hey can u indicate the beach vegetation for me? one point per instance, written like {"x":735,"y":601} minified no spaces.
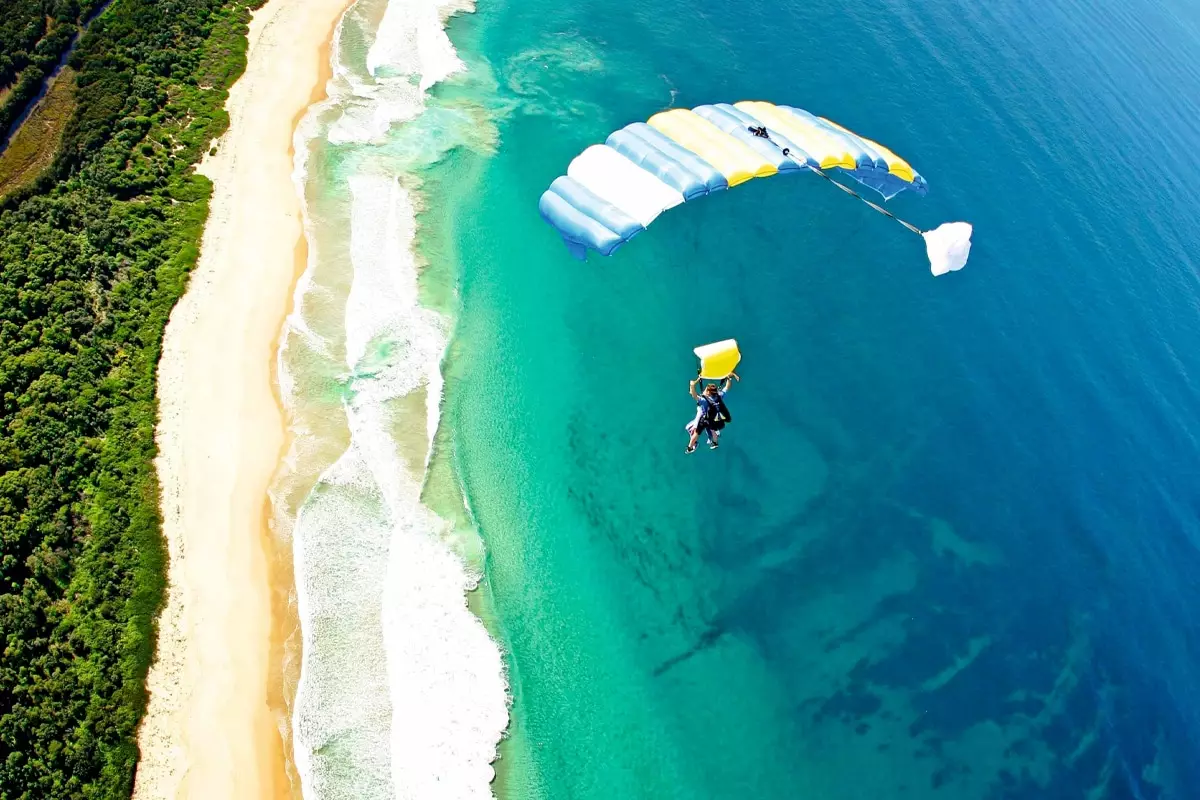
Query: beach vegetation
{"x":95,"y":249}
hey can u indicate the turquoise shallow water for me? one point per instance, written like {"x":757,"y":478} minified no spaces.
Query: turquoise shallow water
{"x":948,"y":547}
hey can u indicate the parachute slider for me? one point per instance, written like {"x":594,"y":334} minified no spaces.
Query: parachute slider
{"x":718,"y":360}
{"x":948,"y":246}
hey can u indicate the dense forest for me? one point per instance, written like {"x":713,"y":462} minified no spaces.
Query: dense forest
{"x":93,"y":255}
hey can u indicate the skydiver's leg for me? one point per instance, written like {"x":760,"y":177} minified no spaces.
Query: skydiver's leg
{"x":693,"y":428}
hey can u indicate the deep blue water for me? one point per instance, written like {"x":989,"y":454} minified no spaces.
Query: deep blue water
{"x":949,"y":547}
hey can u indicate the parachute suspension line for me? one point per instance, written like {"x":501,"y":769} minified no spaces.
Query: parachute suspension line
{"x":853,"y":193}
{"x":762,"y":134}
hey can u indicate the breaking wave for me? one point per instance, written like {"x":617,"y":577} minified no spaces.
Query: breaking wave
{"x":401,"y":692}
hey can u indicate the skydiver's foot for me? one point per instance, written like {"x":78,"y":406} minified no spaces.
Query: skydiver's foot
{"x":713,"y":445}
{"x":691,"y":448}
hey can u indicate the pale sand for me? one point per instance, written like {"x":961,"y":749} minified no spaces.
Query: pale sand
{"x":213,"y":726}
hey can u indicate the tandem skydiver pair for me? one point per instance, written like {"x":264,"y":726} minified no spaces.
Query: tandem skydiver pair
{"x":712,"y":415}
{"x":717,"y":362}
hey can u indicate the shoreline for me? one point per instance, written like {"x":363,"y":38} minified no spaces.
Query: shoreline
{"x":215,"y":722}
{"x":286,"y":639}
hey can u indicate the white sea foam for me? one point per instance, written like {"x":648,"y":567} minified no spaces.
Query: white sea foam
{"x":410,"y":53}
{"x":412,"y":42}
{"x":341,"y":728}
{"x":402,"y":693}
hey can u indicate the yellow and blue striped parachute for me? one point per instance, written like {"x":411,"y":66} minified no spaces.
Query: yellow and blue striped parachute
{"x":613,"y":191}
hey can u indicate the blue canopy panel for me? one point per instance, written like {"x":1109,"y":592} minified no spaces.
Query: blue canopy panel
{"x":873,"y":169}
{"x":865,"y":157}
{"x":585,"y":220}
{"x":886,"y":183}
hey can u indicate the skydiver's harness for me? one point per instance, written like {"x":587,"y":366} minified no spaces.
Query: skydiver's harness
{"x":716,"y":413}
{"x":761,"y":132}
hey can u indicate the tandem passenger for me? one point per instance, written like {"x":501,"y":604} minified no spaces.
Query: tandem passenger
{"x":711,"y":412}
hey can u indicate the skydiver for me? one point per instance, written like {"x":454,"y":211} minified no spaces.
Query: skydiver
{"x":711,"y":412}
{"x":760,"y":131}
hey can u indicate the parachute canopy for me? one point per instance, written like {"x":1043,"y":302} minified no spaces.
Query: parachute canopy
{"x":613,"y":191}
{"x":718,"y":359}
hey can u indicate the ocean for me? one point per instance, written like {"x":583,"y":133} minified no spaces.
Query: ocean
{"x":948,"y":547}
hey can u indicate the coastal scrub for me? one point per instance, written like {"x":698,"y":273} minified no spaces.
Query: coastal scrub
{"x":93,"y":255}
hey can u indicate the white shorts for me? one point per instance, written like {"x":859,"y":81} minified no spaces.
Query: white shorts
{"x":691,"y":427}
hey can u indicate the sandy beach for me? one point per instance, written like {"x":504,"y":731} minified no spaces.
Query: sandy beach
{"x":212,"y":729}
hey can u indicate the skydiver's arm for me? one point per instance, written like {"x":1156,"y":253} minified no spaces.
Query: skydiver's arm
{"x":692,"y":389}
{"x":729,"y":381}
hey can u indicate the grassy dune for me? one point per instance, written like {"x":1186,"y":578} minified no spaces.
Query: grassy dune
{"x":33,"y":148}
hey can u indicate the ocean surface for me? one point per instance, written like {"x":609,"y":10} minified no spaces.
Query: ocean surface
{"x":949,"y":547}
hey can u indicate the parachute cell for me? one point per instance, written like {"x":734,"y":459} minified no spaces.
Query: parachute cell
{"x":737,"y":162}
{"x":617,"y":180}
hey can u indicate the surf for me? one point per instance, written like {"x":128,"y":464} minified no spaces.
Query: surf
{"x":400,"y":690}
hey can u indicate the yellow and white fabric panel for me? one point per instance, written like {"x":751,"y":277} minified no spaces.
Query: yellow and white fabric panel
{"x":828,"y":150}
{"x":737,"y":162}
{"x":895,"y":164}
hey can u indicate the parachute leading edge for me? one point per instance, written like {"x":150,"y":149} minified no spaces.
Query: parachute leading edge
{"x":613,"y":191}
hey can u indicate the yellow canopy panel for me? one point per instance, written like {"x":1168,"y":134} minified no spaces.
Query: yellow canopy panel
{"x":737,"y":162}
{"x":718,"y":359}
{"x":896,"y":165}
{"x":828,"y":150}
